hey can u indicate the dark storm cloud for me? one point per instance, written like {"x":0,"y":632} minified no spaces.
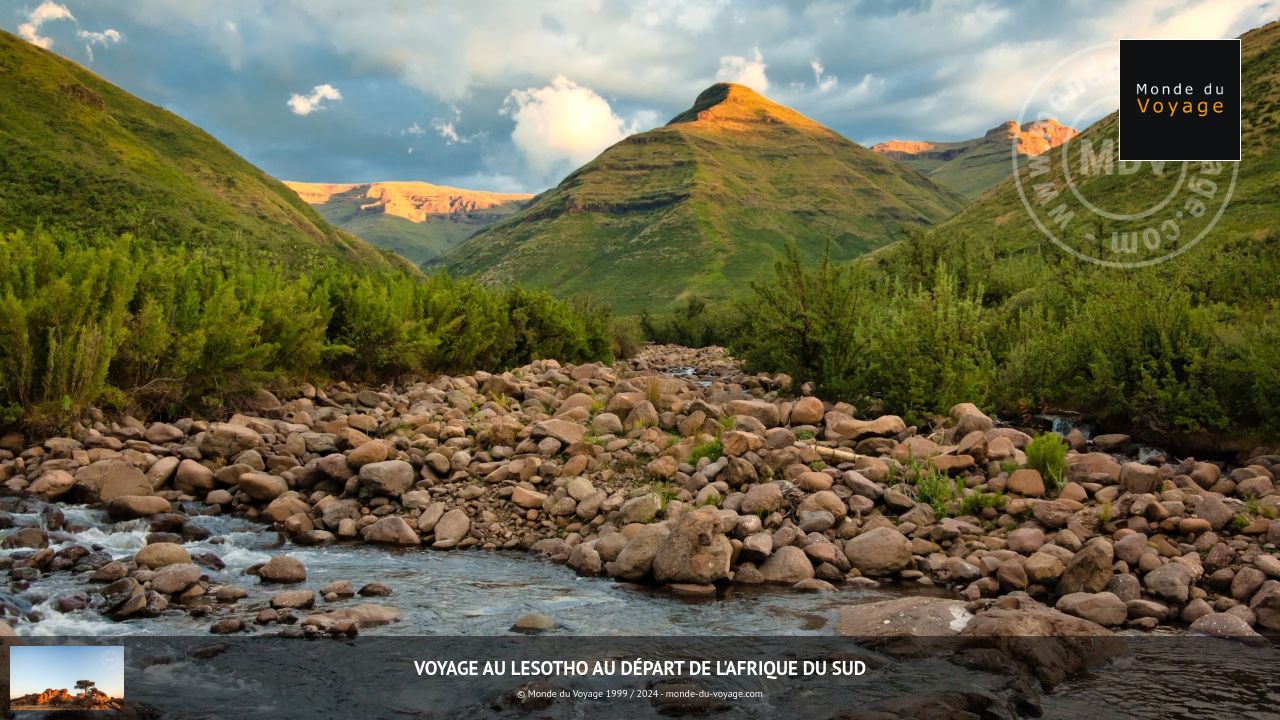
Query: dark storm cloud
{"x":427,"y":88}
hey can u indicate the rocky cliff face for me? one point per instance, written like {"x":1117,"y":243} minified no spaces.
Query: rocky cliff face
{"x":972,"y":166}
{"x":413,"y":201}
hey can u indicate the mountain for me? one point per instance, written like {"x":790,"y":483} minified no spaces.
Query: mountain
{"x":83,"y":154}
{"x":415,"y":219}
{"x":970,"y":167}
{"x":701,"y":206}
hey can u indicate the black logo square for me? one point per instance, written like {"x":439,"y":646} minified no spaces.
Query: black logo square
{"x":1179,"y":100}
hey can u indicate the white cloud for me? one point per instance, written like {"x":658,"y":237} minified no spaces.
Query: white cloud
{"x":448,"y":128}
{"x":307,"y":104}
{"x":691,"y":17}
{"x":104,"y":38}
{"x":414,"y":129}
{"x":737,"y":69}
{"x":825,"y":82}
{"x":47,"y":11}
{"x":564,"y":124}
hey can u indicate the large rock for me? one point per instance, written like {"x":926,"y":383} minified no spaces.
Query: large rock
{"x":641,"y":509}
{"x":762,"y":498}
{"x":636,"y":559}
{"x":765,"y":412}
{"x":173,"y":579}
{"x":788,"y":564}
{"x":1226,"y":625}
{"x":107,"y":479}
{"x":1103,"y":608}
{"x":224,"y":440}
{"x":1212,"y":508}
{"x":563,"y":430}
{"x":1026,"y":482}
{"x":1171,"y":581}
{"x":452,"y":527}
{"x":52,"y":484}
{"x":193,"y":478}
{"x":1089,"y":571}
{"x":807,"y":411}
{"x":1138,"y":478}
{"x":130,"y":507}
{"x":1265,"y":605}
{"x":695,"y":551}
{"x":391,"y":530}
{"x":262,"y":487}
{"x":883,"y":426}
{"x":526,"y":498}
{"x":880,"y":551}
{"x":361,"y":616}
{"x":1047,"y":645}
{"x":389,"y":477}
{"x":904,"y":617}
{"x":158,"y":555}
{"x":283,"y":569}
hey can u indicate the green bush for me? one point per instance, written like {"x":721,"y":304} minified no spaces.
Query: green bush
{"x":1047,"y":453}
{"x":711,"y":449}
{"x":154,"y":328}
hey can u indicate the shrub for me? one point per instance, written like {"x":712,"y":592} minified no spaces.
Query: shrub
{"x":1047,"y":453}
{"x":711,"y":449}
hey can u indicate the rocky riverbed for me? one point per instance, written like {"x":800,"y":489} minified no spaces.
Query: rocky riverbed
{"x":675,"y":470}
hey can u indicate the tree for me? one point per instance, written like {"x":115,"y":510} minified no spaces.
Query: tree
{"x":84,"y":685}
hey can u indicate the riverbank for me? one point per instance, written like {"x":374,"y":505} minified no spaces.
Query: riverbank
{"x":675,"y":470}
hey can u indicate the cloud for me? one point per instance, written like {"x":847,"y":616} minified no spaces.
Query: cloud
{"x":307,"y":104}
{"x":106,"y":37}
{"x":825,"y":82}
{"x":414,"y":129}
{"x":563,"y":125}
{"x":737,"y":69}
{"x":448,"y":128}
{"x":47,"y":11}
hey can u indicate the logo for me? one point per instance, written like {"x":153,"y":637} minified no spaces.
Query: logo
{"x":1097,"y":207}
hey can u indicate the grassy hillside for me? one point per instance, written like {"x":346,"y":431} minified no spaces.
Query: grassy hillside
{"x":985,"y":309}
{"x":971,"y":167}
{"x":416,"y":220}
{"x":703,"y":205}
{"x":82,"y":154}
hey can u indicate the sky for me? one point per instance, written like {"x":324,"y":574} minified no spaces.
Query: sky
{"x":511,"y":95}
{"x":36,"y":668}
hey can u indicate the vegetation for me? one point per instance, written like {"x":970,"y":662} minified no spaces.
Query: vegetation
{"x":122,"y":321}
{"x":87,"y":156}
{"x":711,"y":449}
{"x":700,"y":206}
{"x":1047,"y":453}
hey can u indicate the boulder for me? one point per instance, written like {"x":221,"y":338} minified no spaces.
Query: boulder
{"x":452,"y":527}
{"x":1226,"y":625}
{"x":391,"y":530}
{"x":807,"y":411}
{"x":107,"y":479}
{"x":880,"y":551}
{"x":159,"y":555}
{"x":883,"y":426}
{"x":1171,"y":581}
{"x":389,"y":477}
{"x":762,"y":498}
{"x":52,"y":484}
{"x":130,"y":507}
{"x":261,"y":486}
{"x":636,"y":559}
{"x":695,"y":550}
{"x":1026,"y":482}
{"x":1138,"y":478}
{"x":1089,"y":571}
{"x":173,"y":579}
{"x":361,"y":616}
{"x":788,"y":564}
{"x":765,"y":412}
{"x":533,"y":623}
{"x":563,"y":430}
{"x":1103,"y":608}
{"x":526,"y":498}
{"x":193,"y":479}
{"x":641,"y":509}
{"x":904,"y":617}
{"x":294,"y":599}
{"x":224,"y":440}
{"x":1047,"y":645}
{"x":283,"y":569}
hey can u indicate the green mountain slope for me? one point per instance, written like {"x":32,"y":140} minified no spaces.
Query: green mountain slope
{"x":417,"y":220}
{"x":82,"y":154}
{"x":1184,"y":349}
{"x":702,"y":206}
{"x":970,"y":167}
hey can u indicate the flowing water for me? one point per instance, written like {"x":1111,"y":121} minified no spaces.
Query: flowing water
{"x":478,"y":594}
